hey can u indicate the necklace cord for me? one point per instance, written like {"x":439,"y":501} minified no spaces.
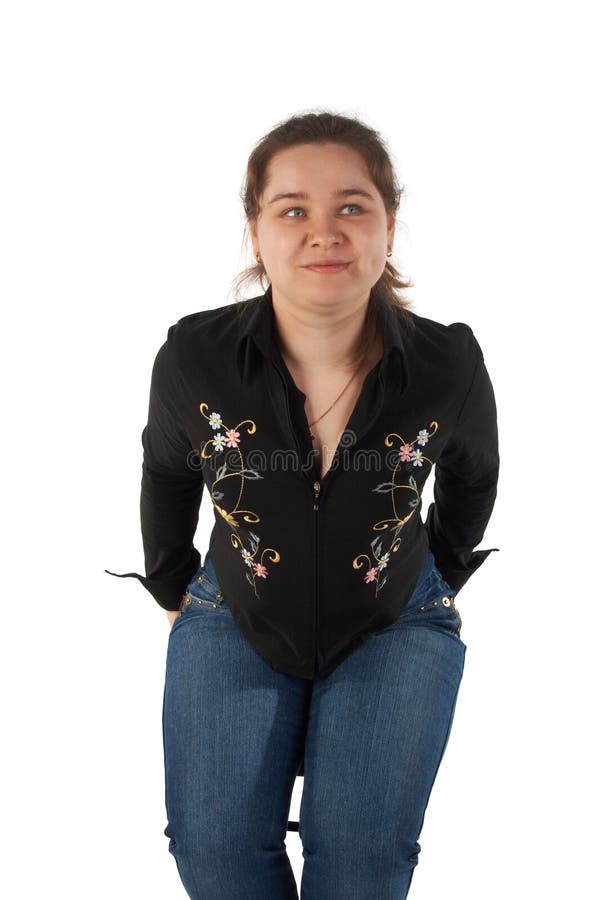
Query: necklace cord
{"x":310,"y":424}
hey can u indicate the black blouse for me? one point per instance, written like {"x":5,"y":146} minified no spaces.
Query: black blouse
{"x":311,"y":568}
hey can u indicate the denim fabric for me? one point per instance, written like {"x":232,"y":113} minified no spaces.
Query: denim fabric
{"x":371,"y":735}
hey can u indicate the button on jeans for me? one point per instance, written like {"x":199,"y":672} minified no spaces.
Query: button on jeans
{"x":371,"y":735}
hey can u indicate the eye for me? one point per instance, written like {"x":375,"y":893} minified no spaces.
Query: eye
{"x":294,"y":208}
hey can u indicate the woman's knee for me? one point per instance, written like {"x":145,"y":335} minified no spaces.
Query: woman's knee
{"x":236,"y":869}
{"x":357,"y":864}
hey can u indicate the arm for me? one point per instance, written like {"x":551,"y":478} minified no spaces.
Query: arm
{"x":171,"y":489}
{"x":465,"y":486}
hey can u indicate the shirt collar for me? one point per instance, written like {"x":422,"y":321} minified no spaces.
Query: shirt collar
{"x":257,"y":333}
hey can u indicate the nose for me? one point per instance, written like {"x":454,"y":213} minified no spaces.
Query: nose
{"x":324,"y":231}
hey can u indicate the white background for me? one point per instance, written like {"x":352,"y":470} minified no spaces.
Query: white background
{"x":126,"y":130}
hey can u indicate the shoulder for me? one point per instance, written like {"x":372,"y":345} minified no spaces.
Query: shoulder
{"x":202,"y":326}
{"x":445,"y":352}
{"x":192,"y":343}
{"x":207,"y":333}
{"x":457,"y":338}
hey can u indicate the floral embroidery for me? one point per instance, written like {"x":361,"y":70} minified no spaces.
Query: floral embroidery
{"x":412,"y":457}
{"x":232,"y":438}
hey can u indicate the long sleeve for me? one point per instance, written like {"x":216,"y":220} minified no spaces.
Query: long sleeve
{"x":465,"y":486}
{"x":171,"y":490}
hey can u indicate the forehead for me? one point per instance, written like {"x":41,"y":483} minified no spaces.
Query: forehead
{"x":311,"y":165}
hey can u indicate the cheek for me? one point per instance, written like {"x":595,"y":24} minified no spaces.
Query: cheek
{"x":281,"y":241}
{"x":374,"y":264}
{"x":375,"y":257}
{"x":371,"y":240}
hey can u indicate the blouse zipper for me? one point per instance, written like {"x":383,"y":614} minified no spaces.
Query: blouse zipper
{"x":291,"y":431}
{"x":316,"y":494}
{"x":316,"y":498}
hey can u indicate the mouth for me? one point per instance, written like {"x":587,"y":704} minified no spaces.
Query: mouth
{"x":330,"y":268}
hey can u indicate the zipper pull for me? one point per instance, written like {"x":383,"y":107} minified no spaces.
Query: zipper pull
{"x":316,"y":493}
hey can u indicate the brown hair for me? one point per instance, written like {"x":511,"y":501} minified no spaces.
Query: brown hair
{"x":329,"y":127}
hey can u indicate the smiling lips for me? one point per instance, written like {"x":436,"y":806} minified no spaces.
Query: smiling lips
{"x":328,"y":267}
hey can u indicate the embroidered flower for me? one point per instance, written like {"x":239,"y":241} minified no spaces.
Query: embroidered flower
{"x":396,"y":522}
{"x":383,"y":561}
{"x":417,"y":457}
{"x":246,"y":556}
{"x":219,"y":442}
{"x":231,"y":438}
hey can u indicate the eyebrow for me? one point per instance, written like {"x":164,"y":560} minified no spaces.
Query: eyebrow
{"x":301,"y":195}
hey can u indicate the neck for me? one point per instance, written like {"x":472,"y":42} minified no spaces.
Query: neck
{"x":319,"y":340}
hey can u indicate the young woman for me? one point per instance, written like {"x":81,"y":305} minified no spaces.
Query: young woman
{"x":320,"y":635}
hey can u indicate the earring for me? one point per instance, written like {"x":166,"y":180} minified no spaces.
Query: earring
{"x":258,"y":257}
{"x":389,"y":252}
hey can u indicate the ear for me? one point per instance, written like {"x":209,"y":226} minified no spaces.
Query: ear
{"x":254,"y":236}
{"x":390,"y":230}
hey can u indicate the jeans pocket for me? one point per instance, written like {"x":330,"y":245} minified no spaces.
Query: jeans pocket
{"x":436,"y":573}
{"x":432,"y":604}
{"x":446,"y":596}
{"x":202,"y":591}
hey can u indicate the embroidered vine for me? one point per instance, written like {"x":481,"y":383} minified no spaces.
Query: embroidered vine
{"x":254,"y":558}
{"x":411,"y":457}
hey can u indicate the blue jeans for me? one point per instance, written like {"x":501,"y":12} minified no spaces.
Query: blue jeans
{"x":371,"y":736}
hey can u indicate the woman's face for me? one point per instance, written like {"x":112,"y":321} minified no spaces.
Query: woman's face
{"x":331,"y":220}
